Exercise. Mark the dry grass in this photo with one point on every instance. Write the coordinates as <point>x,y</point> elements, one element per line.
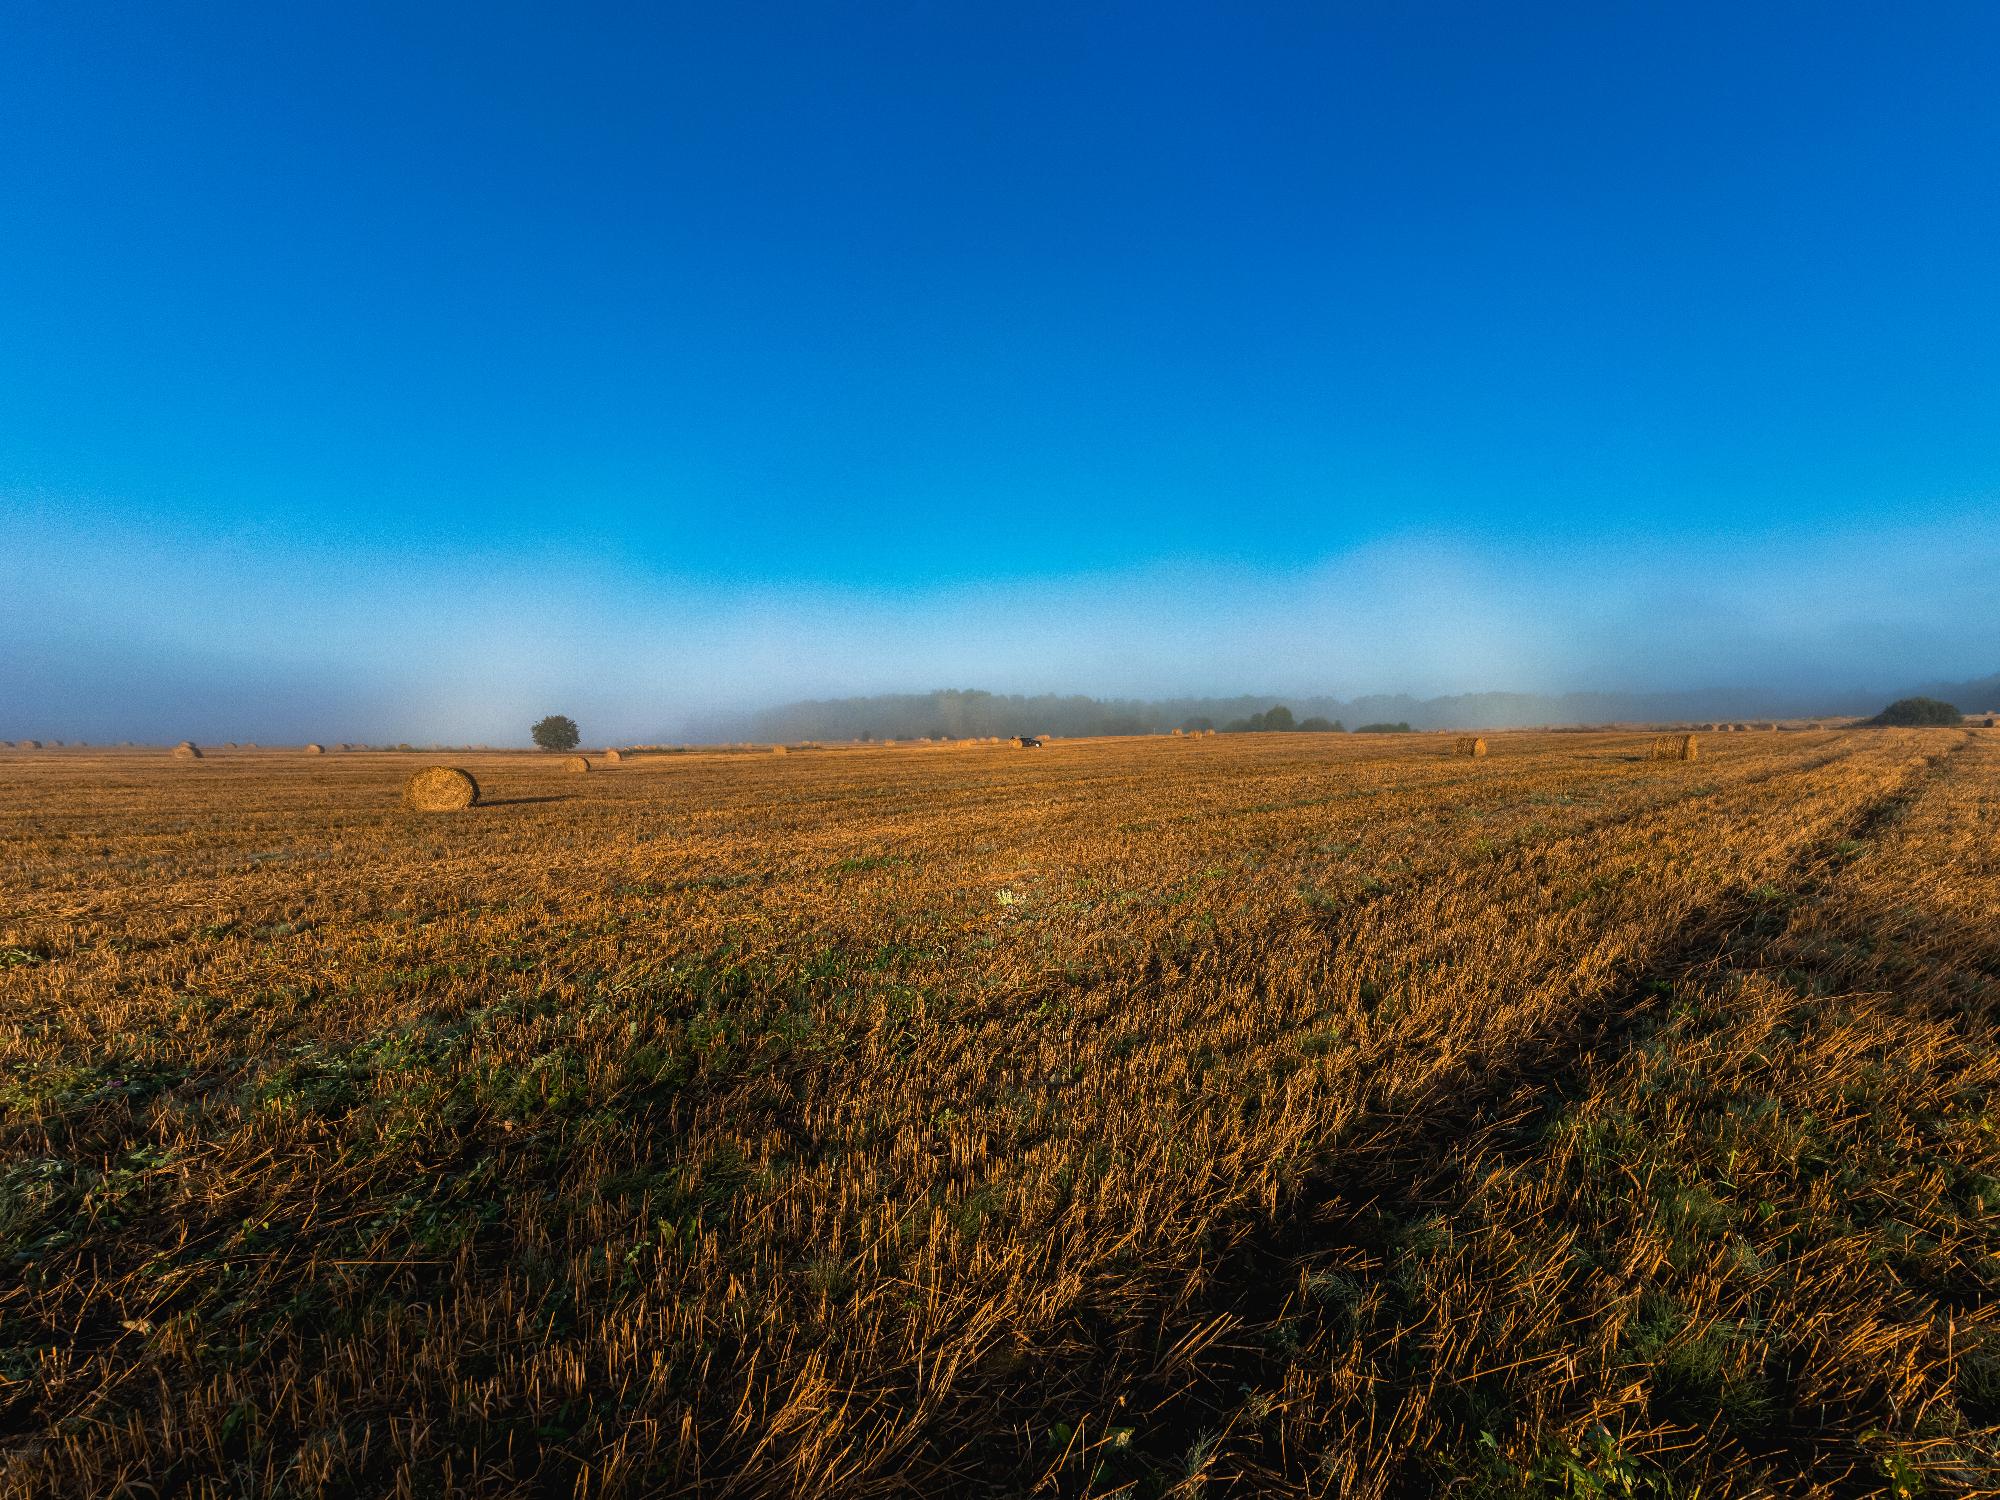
<point>1145,1119</point>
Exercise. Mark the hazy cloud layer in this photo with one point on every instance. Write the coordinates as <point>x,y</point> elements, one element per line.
<point>114,631</point>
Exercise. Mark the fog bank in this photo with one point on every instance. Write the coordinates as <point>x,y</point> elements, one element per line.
<point>115,631</point>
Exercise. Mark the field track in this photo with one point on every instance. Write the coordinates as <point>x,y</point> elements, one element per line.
<point>1257,1114</point>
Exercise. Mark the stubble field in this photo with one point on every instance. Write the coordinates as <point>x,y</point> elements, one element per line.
<point>1261,1114</point>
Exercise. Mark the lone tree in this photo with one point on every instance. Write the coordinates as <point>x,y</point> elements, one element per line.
<point>556,732</point>
<point>1919,713</point>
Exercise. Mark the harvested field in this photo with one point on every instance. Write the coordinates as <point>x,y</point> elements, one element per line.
<point>1254,1115</point>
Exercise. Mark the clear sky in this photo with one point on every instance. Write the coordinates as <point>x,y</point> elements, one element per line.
<point>394,371</point>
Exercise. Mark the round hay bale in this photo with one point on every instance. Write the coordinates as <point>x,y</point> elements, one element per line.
<point>612,757</point>
<point>187,750</point>
<point>576,763</point>
<point>1675,747</point>
<point>1468,744</point>
<point>440,789</point>
<point>31,744</point>
<point>315,749</point>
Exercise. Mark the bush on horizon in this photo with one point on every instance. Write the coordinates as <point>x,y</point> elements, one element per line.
<point>1919,713</point>
<point>1276,720</point>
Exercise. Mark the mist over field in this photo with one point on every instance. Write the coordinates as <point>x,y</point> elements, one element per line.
<point>116,630</point>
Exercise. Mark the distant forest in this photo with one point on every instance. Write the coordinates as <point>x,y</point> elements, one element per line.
<point>968,713</point>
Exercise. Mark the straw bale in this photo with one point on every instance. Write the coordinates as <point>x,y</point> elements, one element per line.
<point>440,789</point>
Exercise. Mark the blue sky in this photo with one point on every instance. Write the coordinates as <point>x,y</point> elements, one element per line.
<point>669,357</point>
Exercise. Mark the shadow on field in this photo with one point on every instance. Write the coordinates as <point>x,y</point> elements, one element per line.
<point>519,801</point>
<point>1386,1178</point>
